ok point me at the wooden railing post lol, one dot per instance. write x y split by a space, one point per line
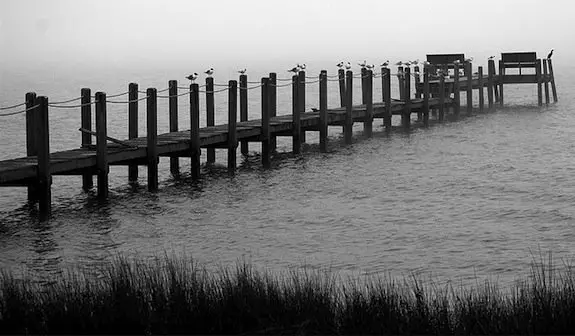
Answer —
31 134
173 108
417 82
133 126
44 176
425 96
86 123
210 116
400 82
441 114
490 84
386 84
481 85
265 136
341 76
501 80
296 118
363 81
368 121
469 93
102 167
552 80
323 122
273 91
152 138
244 109
232 126
301 97
348 126
539 79
406 113
545 80
195 131
456 90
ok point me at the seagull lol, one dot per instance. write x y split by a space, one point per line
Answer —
416 62
550 54
242 71
407 63
426 63
340 65
400 63
193 77
295 70
469 60
491 57
301 66
209 72
370 66
347 66
385 64
362 64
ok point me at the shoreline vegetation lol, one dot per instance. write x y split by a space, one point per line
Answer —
178 296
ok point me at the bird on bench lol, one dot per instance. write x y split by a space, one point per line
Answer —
550 54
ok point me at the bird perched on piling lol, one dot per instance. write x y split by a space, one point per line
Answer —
301 66
242 71
415 62
341 64
469 60
193 77
209 72
550 54
347 66
369 66
362 64
384 64
295 70
491 57
400 63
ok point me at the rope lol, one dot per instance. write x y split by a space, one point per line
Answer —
280 85
284 79
71 106
126 102
11 107
178 95
66 101
215 91
251 87
18 112
118 94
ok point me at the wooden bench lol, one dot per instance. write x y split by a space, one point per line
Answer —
518 60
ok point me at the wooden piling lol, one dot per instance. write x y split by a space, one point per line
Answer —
539 79
323 122
341 76
469 92
481 84
296 120
368 121
425 96
265 137
232 126
546 81
86 123
456 90
152 138
400 82
363 85
386 92
406 113
102 168
195 131
301 97
132 126
552 80
44 177
417 82
173 111
501 76
490 84
348 126
441 112
210 116
494 86
31 143
273 91
244 109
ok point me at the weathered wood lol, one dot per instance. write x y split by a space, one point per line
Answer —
348 125
490 84
539 79
341 76
386 92
481 85
400 82
244 109
406 115
501 79
441 112
86 123
425 96
552 80
102 166
545 77
363 85
301 97
133 125
173 110
323 111
273 91
210 116
417 82
232 126
469 93
31 143
195 131
368 122
44 176
456 90
296 120
109 138
152 138
265 137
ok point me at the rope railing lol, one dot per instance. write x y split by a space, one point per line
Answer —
118 94
11 106
54 105
128 101
65 101
18 112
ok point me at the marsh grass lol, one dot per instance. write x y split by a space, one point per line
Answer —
176 296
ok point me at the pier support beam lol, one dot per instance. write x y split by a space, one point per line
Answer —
490 84
273 92
386 95
296 120
244 109
210 116
406 113
301 98
44 177
552 79
539 79
102 167
546 81
481 84
152 138
368 122
323 111
132 126
31 134
265 137
232 126
341 77
195 131
425 96
501 76
348 125
441 112
86 123
456 90
173 110
469 92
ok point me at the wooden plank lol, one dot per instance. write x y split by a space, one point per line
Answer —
519 57
539 88
546 81
501 81
132 125
445 60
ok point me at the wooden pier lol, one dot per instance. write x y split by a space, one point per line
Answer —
436 92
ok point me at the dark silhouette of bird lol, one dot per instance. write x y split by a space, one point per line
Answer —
341 64
347 66
242 71
362 64
491 57
295 70
385 64
209 72
550 54
192 77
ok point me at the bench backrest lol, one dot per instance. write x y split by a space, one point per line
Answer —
441 60
519 59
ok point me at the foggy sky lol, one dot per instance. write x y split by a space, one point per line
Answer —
250 31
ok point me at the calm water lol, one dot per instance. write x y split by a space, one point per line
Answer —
470 198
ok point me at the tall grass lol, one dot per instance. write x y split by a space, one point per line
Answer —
176 296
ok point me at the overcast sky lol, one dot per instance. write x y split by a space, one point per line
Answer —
243 32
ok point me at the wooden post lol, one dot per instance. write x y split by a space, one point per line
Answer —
44 177
273 91
400 81
195 131
244 109
210 116
501 76
132 126
152 138
481 84
490 84
368 121
363 85
232 126
341 76
31 143
265 137
495 82
348 126
539 88
545 80
552 79
456 90
441 98
417 82
173 108
301 97
296 120
102 167
426 96
323 111
86 123
406 113
469 94
386 82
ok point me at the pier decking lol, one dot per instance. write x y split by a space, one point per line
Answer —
433 92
